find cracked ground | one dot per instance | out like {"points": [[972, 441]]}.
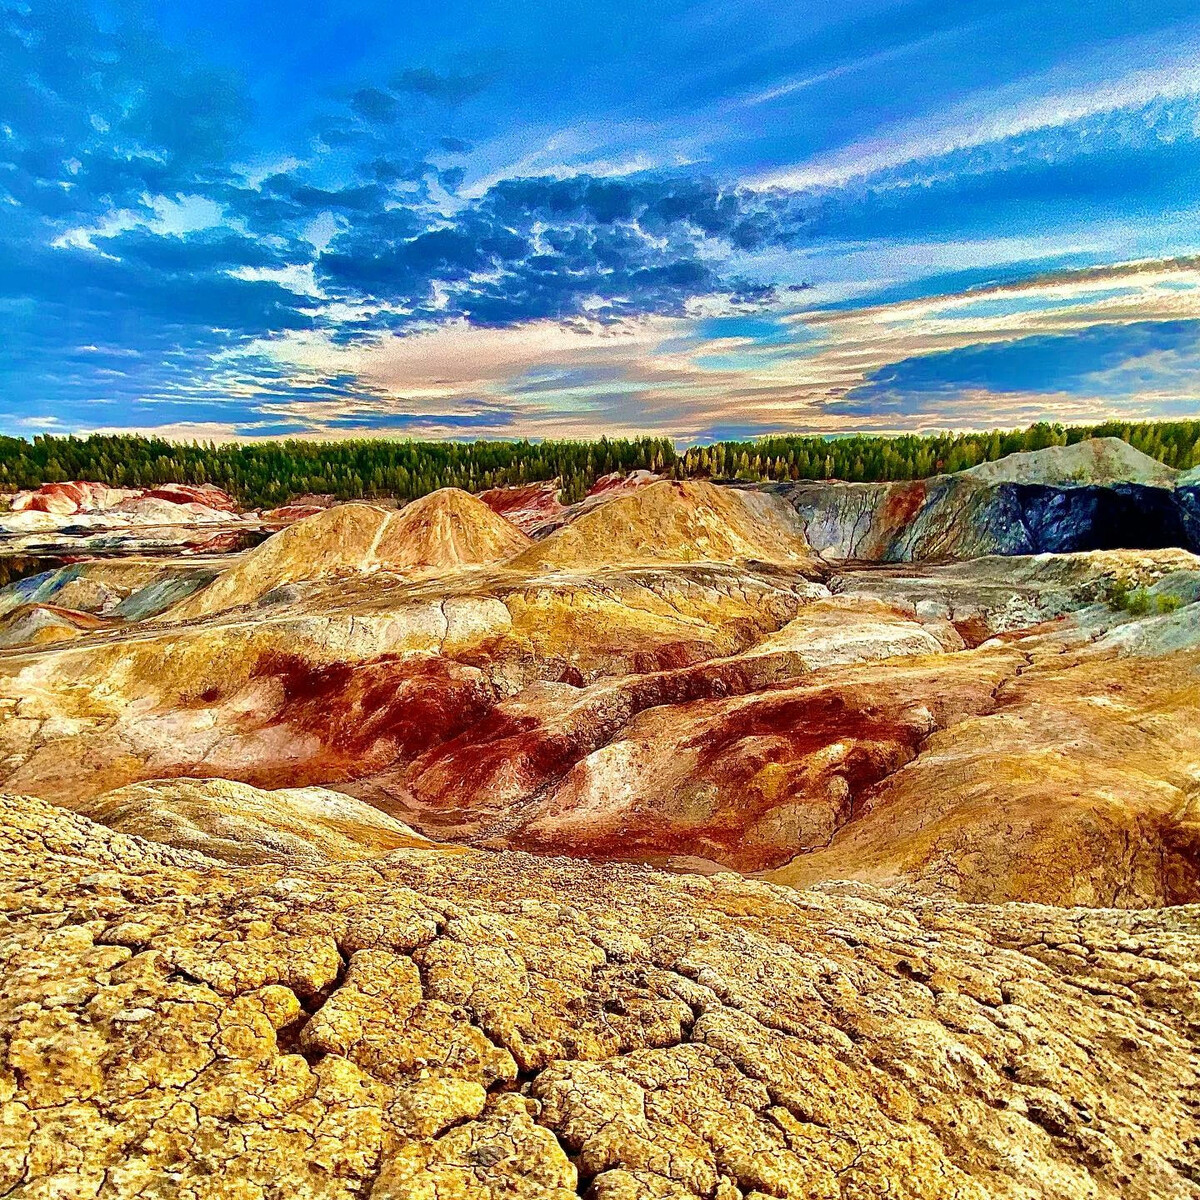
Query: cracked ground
{"points": [[492, 1024]]}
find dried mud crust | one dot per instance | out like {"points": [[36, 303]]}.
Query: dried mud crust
{"points": [[497, 1025]]}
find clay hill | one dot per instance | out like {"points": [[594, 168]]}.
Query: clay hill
{"points": [[81, 507], [446, 529], [494, 1025], [529, 506], [536, 508], [668, 521], [63, 603]]}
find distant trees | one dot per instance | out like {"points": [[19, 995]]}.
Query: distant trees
{"points": [[868, 458], [264, 474]]}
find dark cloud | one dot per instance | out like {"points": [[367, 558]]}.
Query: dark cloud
{"points": [[99, 117], [449, 87], [201, 252], [536, 248], [374, 105]]}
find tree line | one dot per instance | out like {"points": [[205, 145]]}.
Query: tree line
{"points": [[269, 473]]}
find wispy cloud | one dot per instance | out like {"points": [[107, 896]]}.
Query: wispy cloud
{"points": [[1010, 114]]}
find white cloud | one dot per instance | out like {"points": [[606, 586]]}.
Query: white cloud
{"points": [[1051, 101], [297, 277], [168, 216]]}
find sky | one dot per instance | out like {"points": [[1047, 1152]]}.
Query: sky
{"points": [[548, 218]]}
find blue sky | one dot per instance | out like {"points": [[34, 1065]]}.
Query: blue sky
{"points": [[565, 219]]}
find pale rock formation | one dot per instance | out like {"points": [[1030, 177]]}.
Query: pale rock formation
{"points": [[241, 824], [856, 629]]}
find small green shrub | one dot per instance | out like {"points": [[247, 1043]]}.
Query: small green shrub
{"points": [[1139, 602]]}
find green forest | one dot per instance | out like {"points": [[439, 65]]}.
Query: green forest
{"points": [[265, 474]]}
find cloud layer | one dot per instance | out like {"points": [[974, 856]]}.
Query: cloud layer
{"points": [[456, 223]]}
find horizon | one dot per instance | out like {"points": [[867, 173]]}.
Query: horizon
{"points": [[1086, 432], [454, 223]]}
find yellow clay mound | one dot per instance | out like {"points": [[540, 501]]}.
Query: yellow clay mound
{"points": [[448, 528], [444, 530], [676, 522], [241, 824]]}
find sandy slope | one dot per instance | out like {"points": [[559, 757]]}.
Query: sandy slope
{"points": [[1095, 461], [441, 531], [675, 522]]}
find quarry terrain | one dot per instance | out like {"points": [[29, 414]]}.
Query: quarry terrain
{"points": [[694, 839]]}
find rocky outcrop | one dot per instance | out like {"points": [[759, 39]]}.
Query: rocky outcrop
{"points": [[69, 499], [850, 629], [959, 517], [531, 507], [62, 604], [1100, 494], [491, 1025]]}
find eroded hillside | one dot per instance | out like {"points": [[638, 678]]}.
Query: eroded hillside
{"points": [[671, 676], [272, 927]]}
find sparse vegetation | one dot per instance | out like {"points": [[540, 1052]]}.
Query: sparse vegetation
{"points": [[1140, 601], [268, 473]]}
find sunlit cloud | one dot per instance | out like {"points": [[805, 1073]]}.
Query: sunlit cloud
{"points": [[527, 224], [802, 369]]}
